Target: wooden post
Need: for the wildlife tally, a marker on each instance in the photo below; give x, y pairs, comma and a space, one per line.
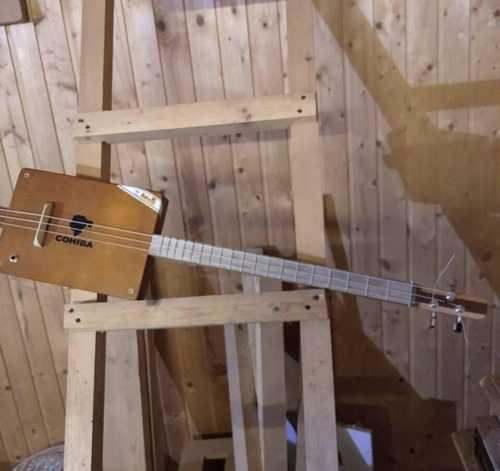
306, 163
86, 350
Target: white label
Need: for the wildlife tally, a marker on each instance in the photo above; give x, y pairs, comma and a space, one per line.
145, 197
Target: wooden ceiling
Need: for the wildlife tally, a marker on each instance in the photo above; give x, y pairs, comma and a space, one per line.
409, 107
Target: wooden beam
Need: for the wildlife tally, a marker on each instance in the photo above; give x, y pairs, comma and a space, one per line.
196, 452
464, 444
87, 350
307, 167
491, 387
203, 119
96, 75
12, 11
270, 384
304, 305
85, 401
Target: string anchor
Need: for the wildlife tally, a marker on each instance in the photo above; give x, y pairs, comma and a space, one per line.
458, 325
433, 321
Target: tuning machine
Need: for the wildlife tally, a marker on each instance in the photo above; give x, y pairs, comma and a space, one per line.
458, 325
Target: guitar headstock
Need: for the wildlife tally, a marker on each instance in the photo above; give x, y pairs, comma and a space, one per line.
443, 302
78, 233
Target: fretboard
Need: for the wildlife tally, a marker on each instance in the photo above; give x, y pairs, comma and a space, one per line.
285, 270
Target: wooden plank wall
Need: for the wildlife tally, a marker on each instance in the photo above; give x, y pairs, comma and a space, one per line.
408, 98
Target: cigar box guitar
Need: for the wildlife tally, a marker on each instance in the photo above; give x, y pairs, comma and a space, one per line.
97, 237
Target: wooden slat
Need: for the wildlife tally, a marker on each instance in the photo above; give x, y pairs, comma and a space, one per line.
242, 396
95, 91
482, 199
306, 163
269, 354
40, 358
17, 153
491, 387
422, 246
206, 63
237, 115
190, 361
454, 31
390, 52
87, 351
197, 311
11, 430
124, 432
464, 443
85, 401
264, 38
361, 121
173, 176
232, 25
46, 154
12, 11
195, 453
61, 81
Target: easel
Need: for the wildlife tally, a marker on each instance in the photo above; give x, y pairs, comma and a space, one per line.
255, 447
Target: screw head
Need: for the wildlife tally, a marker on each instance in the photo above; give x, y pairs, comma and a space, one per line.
13, 259
26, 175
130, 291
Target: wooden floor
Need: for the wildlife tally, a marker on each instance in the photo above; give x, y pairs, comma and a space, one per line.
409, 107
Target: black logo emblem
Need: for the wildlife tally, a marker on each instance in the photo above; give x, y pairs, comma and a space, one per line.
79, 223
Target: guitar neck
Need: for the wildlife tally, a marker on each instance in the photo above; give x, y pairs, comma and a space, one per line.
285, 270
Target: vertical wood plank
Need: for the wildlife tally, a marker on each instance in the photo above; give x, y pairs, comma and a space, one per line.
208, 85
206, 62
11, 430
390, 53
265, 47
145, 58
43, 300
18, 152
237, 72
362, 161
85, 399
190, 358
483, 200
59, 75
124, 435
454, 34
87, 351
95, 89
242, 394
34, 335
306, 169
422, 70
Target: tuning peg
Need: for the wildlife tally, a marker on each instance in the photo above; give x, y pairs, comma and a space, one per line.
433, 320
458, 326
451, 296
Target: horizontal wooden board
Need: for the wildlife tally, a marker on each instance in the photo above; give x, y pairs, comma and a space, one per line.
12, 11
290, 306
207, 118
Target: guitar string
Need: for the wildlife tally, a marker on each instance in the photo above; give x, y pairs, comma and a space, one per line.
415, 297
41, 217
429, 299
104, 234
87, 230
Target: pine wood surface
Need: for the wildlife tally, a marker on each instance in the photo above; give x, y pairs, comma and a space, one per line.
410, 176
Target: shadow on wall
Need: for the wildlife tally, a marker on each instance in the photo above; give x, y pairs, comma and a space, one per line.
409, 432
459, 172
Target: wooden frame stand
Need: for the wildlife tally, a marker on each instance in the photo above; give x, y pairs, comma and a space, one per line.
254, 341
